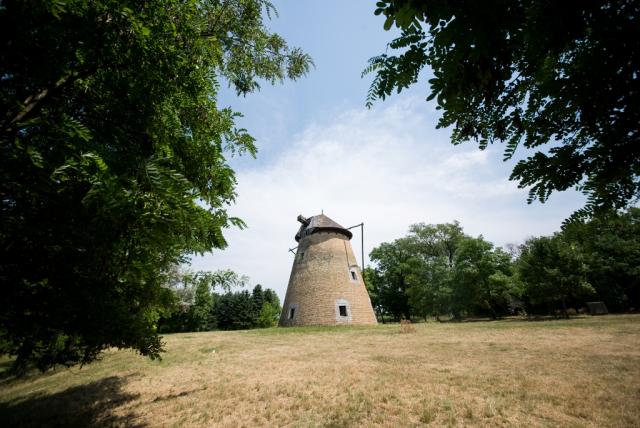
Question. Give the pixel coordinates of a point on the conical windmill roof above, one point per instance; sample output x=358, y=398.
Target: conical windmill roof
x=319, y=223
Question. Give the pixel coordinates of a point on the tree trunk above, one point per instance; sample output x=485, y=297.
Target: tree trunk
x=564, y=309
x=21, y=363
x=494, y=315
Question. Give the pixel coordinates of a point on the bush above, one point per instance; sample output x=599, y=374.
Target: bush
x=269, y=315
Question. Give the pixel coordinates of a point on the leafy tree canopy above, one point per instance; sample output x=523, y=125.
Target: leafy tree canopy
x=388, y=281
x=559, y=78
x=455, y=273
x=437, y=269
x=554, y=272
x=610, y=244
x=113, y=160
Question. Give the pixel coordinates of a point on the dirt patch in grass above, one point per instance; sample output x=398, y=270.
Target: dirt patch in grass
x=551, y=373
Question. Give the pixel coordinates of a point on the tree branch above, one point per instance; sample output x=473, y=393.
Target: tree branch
x=32, y=102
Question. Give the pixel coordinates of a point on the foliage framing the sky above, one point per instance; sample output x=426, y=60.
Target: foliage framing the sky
x=113, y=160
x=560, y=78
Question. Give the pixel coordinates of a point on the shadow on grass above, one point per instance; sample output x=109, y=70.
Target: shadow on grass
x=532, y=318
x=5, y=369
x=79, y=406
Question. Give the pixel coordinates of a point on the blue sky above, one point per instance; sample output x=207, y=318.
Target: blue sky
x=321, y=149
x=340, y=36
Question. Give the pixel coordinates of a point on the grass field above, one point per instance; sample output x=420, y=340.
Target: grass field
x=580, y=372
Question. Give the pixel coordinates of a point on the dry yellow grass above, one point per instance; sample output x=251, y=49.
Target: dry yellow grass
x=581, y=372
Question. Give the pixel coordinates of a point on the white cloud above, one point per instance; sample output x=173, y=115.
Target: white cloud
x=387, y=167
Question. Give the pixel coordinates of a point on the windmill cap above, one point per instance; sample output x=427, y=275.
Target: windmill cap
x=319, y=223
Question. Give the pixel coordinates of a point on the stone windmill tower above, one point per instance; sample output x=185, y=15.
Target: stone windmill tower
x=326, y=285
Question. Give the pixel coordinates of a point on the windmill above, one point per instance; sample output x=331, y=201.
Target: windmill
x=326, y=285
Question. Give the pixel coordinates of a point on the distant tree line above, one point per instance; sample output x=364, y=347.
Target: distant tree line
x=197, y=307
x=438, y=270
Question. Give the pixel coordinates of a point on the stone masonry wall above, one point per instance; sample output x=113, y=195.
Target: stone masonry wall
x=322, y=280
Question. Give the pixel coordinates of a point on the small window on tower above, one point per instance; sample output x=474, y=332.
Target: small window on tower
x=343, y=310
x=301, y=256
x=353, y=275
x=292, y=312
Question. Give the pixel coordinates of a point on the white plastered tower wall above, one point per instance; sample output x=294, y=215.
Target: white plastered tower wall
x=326, y=285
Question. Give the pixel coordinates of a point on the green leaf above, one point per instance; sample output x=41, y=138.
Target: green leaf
x=388, y=22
